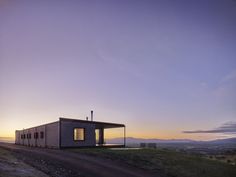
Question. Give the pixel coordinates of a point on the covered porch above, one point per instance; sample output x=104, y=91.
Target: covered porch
x=100, y=134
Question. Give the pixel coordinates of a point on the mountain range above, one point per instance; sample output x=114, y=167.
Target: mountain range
x=132, y=140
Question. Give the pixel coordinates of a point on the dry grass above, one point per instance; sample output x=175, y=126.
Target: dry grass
x=167, y=162
x=226, y=158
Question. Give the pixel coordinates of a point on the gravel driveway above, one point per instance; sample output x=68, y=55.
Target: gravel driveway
x=62, y=163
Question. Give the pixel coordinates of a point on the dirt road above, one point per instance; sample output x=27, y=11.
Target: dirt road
x=62, y=163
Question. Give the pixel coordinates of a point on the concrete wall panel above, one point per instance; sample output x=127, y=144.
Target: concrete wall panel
x=67, y=134
x=50, y=136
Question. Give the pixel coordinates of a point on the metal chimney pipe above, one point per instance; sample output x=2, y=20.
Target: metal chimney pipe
x=91, y=115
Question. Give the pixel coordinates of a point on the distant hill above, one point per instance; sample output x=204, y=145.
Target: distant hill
x=7, y=139
x=131, y=140
x=224, y=141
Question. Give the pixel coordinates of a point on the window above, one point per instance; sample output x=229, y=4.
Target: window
x=41, y=135
x=79, y=134
x=28, y=136
x=36, y=135
x=24, y=136
x=21, y=136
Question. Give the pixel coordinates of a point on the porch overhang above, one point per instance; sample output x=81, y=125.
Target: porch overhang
x=98, y=125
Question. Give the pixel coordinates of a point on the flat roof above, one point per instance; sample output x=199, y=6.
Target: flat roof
x=97, y=124
x=38, y=126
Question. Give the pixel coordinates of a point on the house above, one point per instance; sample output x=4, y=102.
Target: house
x=67, y=133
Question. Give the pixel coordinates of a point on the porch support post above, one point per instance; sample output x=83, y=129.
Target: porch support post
x=101, y=136
x=124, y=136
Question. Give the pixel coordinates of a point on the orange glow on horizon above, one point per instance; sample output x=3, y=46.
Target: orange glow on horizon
x=165, y=137
x=8, y=131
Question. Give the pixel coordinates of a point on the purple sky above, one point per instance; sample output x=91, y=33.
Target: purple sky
x=160, y=67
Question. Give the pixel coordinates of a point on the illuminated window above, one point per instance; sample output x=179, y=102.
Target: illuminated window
x=78, y=134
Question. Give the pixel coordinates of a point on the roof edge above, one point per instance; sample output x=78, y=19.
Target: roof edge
x=91, y=122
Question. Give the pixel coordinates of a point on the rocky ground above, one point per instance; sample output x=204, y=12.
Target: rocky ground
x=10, y=166
x=31, y=162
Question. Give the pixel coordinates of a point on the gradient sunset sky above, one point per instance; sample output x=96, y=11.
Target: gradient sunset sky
x=161, y=67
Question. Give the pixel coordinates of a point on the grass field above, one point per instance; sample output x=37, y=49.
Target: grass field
x=166, y=162
x=226, y=158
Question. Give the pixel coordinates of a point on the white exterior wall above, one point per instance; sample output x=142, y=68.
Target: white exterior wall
x=32, y=141
x=50, y=138
x=40, y=141
x=52, y=135
x=17, y=137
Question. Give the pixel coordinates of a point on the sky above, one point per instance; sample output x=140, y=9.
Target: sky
x=166, y=69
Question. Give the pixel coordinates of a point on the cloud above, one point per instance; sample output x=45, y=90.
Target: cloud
x=226, y=87
x=227, y=128
x=121, y=62
x=229, y=77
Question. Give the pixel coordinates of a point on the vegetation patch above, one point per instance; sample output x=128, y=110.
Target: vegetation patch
x=167, y=162
x=228, y=156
